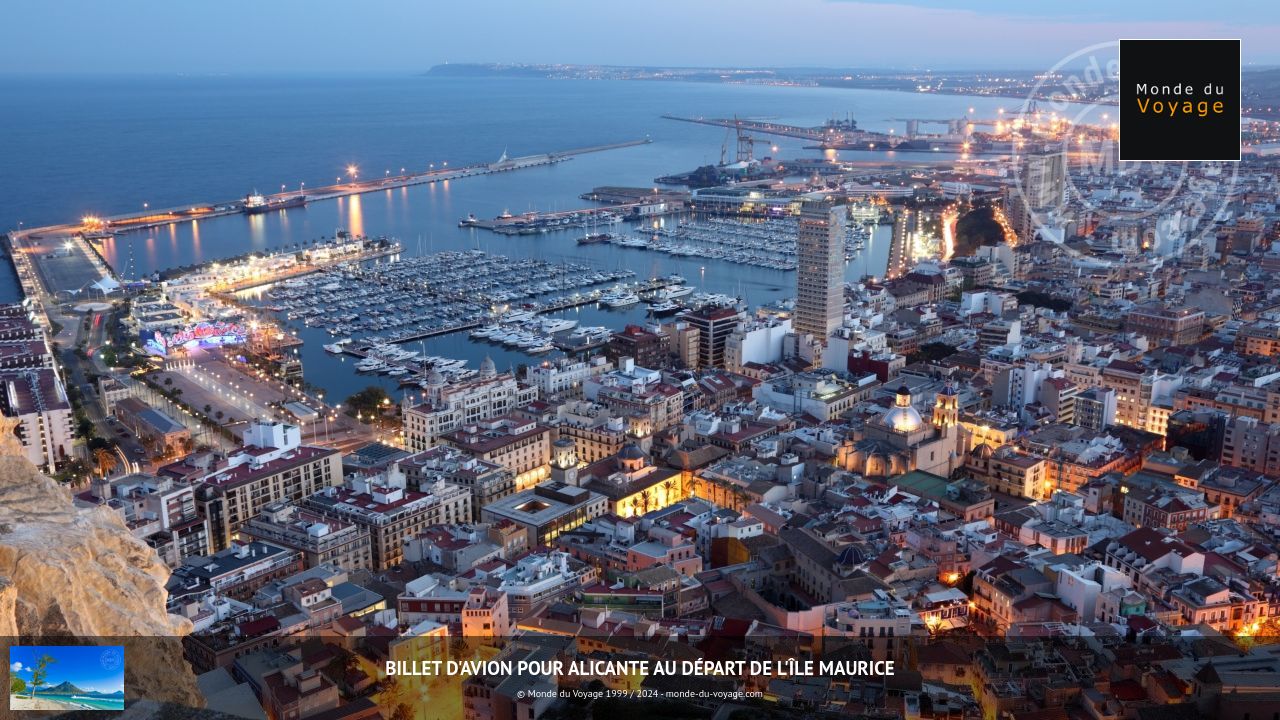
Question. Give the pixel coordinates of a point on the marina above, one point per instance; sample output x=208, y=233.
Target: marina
x=374, y=307
x=768, y=243
x=435, y=294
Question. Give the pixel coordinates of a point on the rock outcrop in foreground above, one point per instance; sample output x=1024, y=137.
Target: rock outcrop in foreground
x=69, y=572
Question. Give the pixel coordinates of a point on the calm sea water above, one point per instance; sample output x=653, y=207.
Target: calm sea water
x=92, y=703
x=106, y=146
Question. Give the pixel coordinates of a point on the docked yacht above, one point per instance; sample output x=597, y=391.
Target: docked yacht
x=665, y=307
x=671, y=292
x=622, y=299
x=555, y=325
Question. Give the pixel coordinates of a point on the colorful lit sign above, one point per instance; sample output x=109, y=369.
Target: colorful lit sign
x=203, y=334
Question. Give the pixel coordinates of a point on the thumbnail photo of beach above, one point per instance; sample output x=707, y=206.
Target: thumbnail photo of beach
x=66, y=677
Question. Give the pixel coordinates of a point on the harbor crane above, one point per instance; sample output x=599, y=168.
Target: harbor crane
x=746, y=144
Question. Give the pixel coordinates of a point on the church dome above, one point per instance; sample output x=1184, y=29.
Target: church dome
x=903, y=419
x=435, y=377
x=487, y=368
x=851, y=555
x=631, y=451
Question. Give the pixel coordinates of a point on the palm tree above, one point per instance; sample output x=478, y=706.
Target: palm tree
x=106, y=461
x=670, y=487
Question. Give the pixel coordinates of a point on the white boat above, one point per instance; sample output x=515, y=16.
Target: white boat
x=664, y=307
x=671, y=292
x=334, y=348
x=585, y=333
x=620, y=300
x=555, y=325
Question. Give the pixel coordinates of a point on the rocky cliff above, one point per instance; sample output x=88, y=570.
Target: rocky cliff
x=69, y=572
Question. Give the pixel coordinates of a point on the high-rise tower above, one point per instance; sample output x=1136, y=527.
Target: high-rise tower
x=1041, y=190
x=820, y=274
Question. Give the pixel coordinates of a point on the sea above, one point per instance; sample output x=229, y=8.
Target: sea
x=78, y=146
x=87, y=702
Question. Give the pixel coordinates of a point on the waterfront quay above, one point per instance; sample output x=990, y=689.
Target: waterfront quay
x=150, y=218
x=234, y=394
x=534, y=223
x=60, y=261
x=369, y=250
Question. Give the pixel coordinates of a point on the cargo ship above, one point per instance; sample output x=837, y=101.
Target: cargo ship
x=255, y=203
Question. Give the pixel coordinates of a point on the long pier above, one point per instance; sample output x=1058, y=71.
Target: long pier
x=532, y=223
x=763, y=128
x=153, y=218
x=30, y=246
x=825, y=137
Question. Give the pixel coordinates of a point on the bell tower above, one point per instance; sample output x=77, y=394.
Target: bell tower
x=946, y=411
x=564, y=461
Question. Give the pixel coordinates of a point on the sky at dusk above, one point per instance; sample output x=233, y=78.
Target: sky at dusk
x=403, y=36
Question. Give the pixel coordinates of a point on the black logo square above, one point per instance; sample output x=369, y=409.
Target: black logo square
x=1180, y=100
